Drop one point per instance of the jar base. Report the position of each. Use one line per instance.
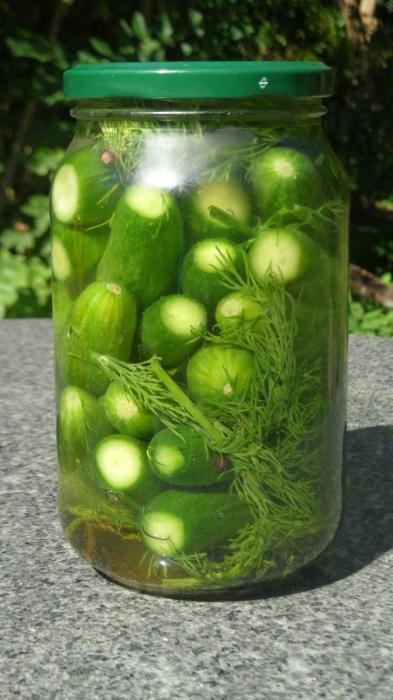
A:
(268, 586)
(123, 561)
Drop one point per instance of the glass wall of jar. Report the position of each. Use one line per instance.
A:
(200, 287)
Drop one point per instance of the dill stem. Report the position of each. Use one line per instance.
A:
(181, 398)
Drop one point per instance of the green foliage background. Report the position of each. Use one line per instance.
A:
(43, 39)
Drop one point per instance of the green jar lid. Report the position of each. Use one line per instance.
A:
(198, 80)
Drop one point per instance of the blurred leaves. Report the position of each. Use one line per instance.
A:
(101, 47)
(368, 319)
(29, 45)
(33, 45)
(138, 26)
(25, 278)
(44, 160)
(37, 208)
(23, 283)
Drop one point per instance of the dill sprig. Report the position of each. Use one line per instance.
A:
(224, 161)
(132, 141)
(156, 391)
(126, 140)
(216, 159)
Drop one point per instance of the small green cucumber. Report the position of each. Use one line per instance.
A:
(81, 423)
(218, 373)
(203, 267)
(237, 308)
(145, 243)
(85, 188)
(283, 176)
(324, 226)
(179, 522)
(183, 458)
(286, 253)
(122, 466)
(172, 327)
(102, 320)
(74, 251)
(126, 414)
(218, 210)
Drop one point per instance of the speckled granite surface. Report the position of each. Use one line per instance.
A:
(68, 633)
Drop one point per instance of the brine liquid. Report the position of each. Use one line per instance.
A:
(296, 453)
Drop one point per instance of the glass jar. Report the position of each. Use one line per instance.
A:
(199, 239)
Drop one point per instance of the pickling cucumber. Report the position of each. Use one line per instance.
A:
(145, 243)
(102, 320)
(237, 308)
(171, 328)
(286, 253)
(81, 423)
(85, 188)
(179, 522)
(122, 466)
(203, 266)
(125, 413)
(218, 373)
(283, 176)
(74, 251)
(218, 210)
(183, 458)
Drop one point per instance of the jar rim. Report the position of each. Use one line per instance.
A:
(198, 80)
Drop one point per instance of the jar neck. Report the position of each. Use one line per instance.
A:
(257, 110)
